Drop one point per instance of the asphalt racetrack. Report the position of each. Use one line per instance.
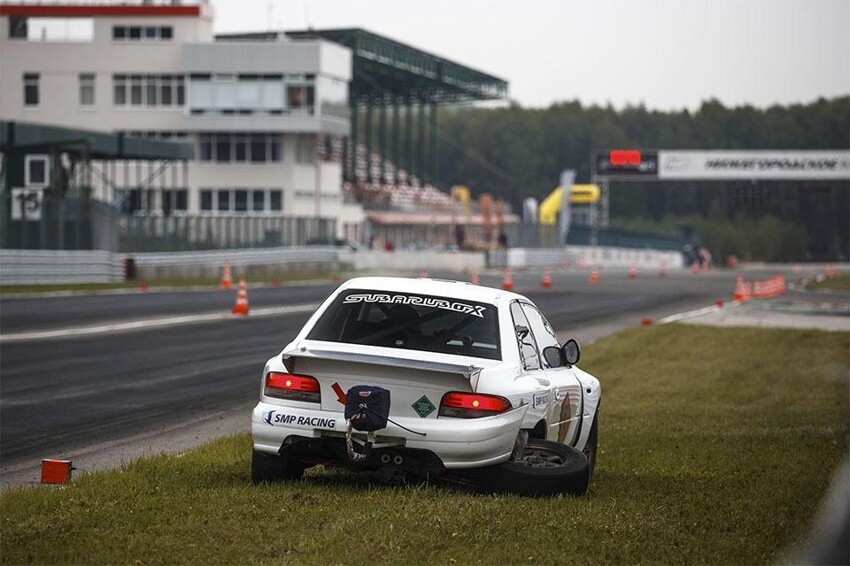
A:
(67, 392)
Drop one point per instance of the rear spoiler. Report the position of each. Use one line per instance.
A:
(470, 372)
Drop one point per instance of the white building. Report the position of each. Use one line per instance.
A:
(266, 117)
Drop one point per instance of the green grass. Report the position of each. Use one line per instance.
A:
(839, 283)
(152, 283)
(716, 447)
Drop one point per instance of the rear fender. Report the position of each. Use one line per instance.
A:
(591, 391)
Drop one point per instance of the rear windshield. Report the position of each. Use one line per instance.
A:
(411, 322)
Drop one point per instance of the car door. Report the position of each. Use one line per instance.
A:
(533, 379)
(564, 403)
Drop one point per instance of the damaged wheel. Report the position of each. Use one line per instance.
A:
(544, 468)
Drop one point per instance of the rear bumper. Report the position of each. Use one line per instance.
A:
(457, 443)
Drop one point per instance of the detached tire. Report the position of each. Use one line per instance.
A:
(545, 468)
(274, 468)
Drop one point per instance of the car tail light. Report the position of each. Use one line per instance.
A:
(293, 387)
(472, 405)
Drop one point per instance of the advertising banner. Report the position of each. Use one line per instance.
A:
(775, 165)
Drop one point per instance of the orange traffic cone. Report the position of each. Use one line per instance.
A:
(742, 293)
(546, 282)
(594, 275)
(143, 286)
(508, 283)
(474, 279)
(633, 272)
(241, 306)
(226, 276)
(662, 271)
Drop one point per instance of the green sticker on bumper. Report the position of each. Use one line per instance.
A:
(423, 407)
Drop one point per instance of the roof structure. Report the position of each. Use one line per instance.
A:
(95, 145)
(384, 68)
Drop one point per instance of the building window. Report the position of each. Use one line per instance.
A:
(305, 151)
(160, 91)
(206, 201)
(300, 94)
(175, 201)
(276, 201)
(249, 93)
(31, 94)
(36, 170)
(258, 201)
(241, 201)
(142, 33)
(223, 201)
(240, 148)
(136, 90)
(87, 89)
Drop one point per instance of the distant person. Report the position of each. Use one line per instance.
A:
(503, 240)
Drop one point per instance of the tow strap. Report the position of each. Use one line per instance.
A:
(367, 409)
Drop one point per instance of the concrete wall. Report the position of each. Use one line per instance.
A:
(589, 256)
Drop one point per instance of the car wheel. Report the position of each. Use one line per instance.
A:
(273, 468)
(590, 448)
(544, 468)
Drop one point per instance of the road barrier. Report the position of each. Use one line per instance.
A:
(586, 256)
(245, 262)
(746, 290)
(21, 267)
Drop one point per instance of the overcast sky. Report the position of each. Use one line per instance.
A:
(666, 54)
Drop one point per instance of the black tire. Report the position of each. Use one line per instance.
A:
(274, 468)
(546, 468)
(591, 448)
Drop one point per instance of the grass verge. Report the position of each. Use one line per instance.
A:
(153, 283)
(716, 447)
(838, 283)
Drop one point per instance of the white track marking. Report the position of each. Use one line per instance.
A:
(149, 323)
(697, 312)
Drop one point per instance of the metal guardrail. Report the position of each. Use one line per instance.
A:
(96, 266)
(19, 267)
(239, 256)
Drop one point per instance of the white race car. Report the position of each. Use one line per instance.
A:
(427, 378)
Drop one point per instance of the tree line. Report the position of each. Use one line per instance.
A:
(515, 152)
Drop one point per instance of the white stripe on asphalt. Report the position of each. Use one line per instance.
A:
(697, 312)
(146, 324)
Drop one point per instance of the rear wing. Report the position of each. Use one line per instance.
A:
(470, 372)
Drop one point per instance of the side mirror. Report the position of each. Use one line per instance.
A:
(554, 356)
(572, 353)
(521, 331)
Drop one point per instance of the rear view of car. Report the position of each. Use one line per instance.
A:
(389, 375)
